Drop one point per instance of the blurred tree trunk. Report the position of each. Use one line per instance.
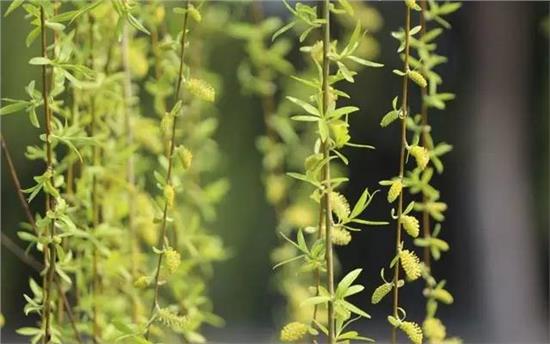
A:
(511, 295)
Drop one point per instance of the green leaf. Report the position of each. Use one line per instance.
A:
(337, 113)
(354, 309)
(398, 72)
(12, 108)
(40, 61)
(315, 300)
(29, 331)
(55, 26)
(360, 205)
(365, 62)
(305, 118)
(32, 36)
(13, 6)
(354, 289)
(137, 24)
(283, 30)
(347, 281)
(306, 106)
(389, 118)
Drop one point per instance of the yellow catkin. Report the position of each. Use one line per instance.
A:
(443, 296)
(194, 13)
(412, 5)
(417, 78)
(166, 124)
(434, 330)
(340, 133)
(340, 236)
(171, 319)
(411, 225)
(380, 292)
(411, 264)
(340, 205)
(412, 330)
(201, 89)
(421, 155)
(142, 282)
(169, 195)
(395, 190)
(317, 51)
(185, 156)
(293, 332)
(172, 260)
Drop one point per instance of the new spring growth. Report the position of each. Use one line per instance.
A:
(142, 282)
(185, 156)
(194, 13)
(417, 78)
(166, 124)
(440, 295)
(293, 332)
(412, 5)
(172, 260)
(340, 205)
(169, 195)
(434, 330)
(395, 190)
(411, 329)
(411, 225)
(201, 89)
(383, 290)
(411, 264)
(339, 132)
(171, 319)
(340, 236)
(421, 155)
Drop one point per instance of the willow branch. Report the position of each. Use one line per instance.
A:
(401, 172)
(163, 238)
(328, 186)
(424, 113)
(49, 252)
(20, 253)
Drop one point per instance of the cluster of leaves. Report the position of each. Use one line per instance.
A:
(430, 205)
(336, 219)
(417, 180)
(99, 222)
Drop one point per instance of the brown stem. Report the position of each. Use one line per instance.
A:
(17, 185)
(424, 113)
(49, 250)
(163, 238)
(401, 172)
(328, 186)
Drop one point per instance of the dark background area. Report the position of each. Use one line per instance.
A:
(495, 180)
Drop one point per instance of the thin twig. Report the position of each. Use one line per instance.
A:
(401, 172)
(328, 185)
(163, 237)
(49, 253)
(424, 113)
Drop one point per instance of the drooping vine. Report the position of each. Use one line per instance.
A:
(420, 181)
(404, 258)
(336, 218)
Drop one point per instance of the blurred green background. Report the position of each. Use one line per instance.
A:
(496, 179)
